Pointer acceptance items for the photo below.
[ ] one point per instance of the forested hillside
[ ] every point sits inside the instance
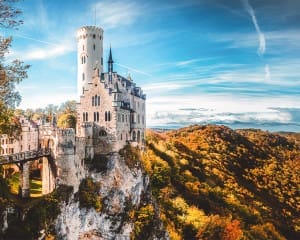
(212, 182)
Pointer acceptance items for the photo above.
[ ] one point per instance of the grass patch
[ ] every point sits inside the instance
(35, 185)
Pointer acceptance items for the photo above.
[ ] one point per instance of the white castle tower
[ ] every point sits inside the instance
(89, 55)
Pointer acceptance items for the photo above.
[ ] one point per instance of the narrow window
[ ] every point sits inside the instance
(98, 100)
(94, 46)
(101, 60)
(86, 117)
(93, 100)
(82, 76)
(105, 116)
(108, 116)
(121, 136)
(122, 118)
(95, 117)
(82, 47)
(94, 36)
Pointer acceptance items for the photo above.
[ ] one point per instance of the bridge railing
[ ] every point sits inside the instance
(23, 156)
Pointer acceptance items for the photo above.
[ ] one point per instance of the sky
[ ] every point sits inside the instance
(232, 62)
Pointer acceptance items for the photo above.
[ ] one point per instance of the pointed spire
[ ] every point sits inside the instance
(110, 61)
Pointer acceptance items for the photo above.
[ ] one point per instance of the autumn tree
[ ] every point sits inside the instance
(11, 73)
(66, 120)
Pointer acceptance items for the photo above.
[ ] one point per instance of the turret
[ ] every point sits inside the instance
(89, 55)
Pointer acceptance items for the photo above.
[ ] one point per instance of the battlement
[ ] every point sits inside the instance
(87, 125)
(85, 30)
(66, 132)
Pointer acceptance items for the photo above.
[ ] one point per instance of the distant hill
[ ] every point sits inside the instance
(212, 182)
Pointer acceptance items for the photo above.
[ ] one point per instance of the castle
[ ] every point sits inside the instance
(110, 114)
(110, 104)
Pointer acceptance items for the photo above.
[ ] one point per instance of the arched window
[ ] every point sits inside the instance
(102, 133)
(133, 136)
(97, 116)
(138, 136)
(138, 118)
(93, 101)
(98, 100)
(83, 117)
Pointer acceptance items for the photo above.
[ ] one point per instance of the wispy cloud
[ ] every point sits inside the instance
(111, 14)
(133, 69)
(261, 36)
(267, 73)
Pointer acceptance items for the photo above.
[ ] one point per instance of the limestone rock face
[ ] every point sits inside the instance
(122, 191)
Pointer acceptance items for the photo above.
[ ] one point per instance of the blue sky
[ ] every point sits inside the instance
(198, 61)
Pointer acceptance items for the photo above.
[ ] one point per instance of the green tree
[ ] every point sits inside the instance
(68, 107)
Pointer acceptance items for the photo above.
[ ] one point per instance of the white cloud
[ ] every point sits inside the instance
(42, 53)
(176, 110)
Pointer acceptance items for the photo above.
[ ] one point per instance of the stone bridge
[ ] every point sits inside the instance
(23, 159)
(24, 156)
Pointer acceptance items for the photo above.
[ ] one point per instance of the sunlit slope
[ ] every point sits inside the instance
(216, 183)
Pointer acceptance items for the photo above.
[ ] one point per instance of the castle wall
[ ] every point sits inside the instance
(28, 139)
(68, 163)
(48, 178)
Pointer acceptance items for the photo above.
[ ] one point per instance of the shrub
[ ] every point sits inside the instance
(88, 195)
(131, 156)
(144, 223)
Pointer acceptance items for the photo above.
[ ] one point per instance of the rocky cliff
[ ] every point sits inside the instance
(114, 201)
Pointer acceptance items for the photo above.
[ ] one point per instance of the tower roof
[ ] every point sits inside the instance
(110, 59)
